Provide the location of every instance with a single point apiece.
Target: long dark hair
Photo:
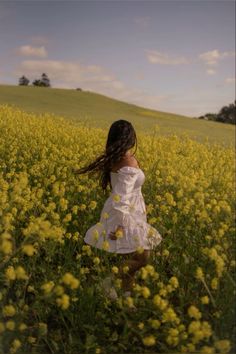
(121, 138)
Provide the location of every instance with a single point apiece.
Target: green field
(52, 294)
(100, 111)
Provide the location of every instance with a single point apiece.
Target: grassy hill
(100, 111)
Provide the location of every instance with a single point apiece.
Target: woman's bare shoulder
(127, 160)
(130, 160)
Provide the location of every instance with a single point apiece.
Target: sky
(172, 55)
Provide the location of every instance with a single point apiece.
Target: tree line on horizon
(43, 82)
(226, 114)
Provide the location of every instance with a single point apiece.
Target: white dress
(125, 206)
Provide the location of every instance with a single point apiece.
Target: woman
(123, 226)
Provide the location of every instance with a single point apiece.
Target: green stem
(209, 292)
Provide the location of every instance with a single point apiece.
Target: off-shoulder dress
(125, 206)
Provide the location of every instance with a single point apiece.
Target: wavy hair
(121, 137)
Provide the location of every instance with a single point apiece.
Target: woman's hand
(112, 235)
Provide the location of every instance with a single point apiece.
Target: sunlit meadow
(51, 296)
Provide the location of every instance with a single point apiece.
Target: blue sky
(173, 56)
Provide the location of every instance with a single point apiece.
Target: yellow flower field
(51, 297)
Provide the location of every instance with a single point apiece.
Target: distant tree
(36, 82)
(210, 116)
(227, 114)
(23, 81)
(43, 82)
(79, 89)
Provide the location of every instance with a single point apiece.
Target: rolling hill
(100, 111)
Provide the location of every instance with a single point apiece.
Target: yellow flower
(144, 273)
(95, 235)
(10, 273)
(206, 329)
(105, 245)
(170, 316)
(70, 280)
(140, 250)
(22, 326)
(233, 263)
(194, 312)
(31, 340)
(155, 323)
(6, 247)
(21, 273)
(172, 341)
(119, 233)
(16, 344)
(92, 204)
(9, 311)
(116, 198)
(149, 341)
(165, 253)
(58, 290)
(163, 292)
(75, 209)
(214, 283)
(10, 325)
(173, 332)
(96, 260)
(205, 300)
(194, 326)
(105, 215)
(47, 287)
(199, 273)
(87, 250)
(125, 269)
(223, 346)
(145, 292)
(159, 302)
(129, 301)
(174, 282)
(67, 218)
(115, 270)
(29, 250)
(141, 325)
(63, 302)
(207, 350)
(170, 199)
(30, 289)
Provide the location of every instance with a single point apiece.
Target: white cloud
(65, 74)
(211, 72)
(29, 51)
(212, 57)
(230, 80)
(228, 54)
(155, 57)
